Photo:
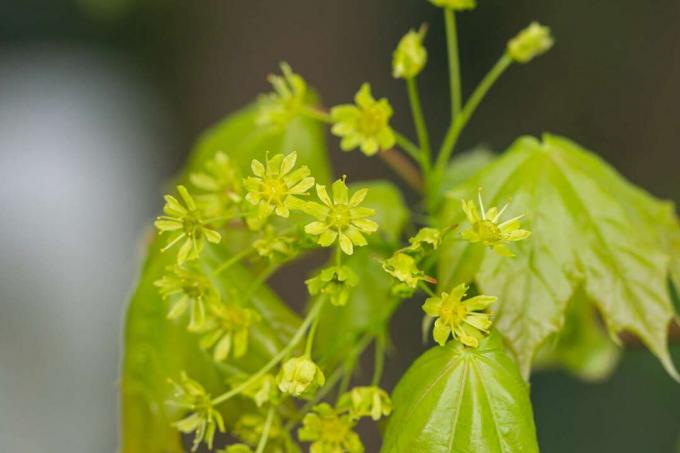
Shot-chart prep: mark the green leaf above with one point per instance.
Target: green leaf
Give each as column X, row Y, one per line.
column 590, row 228
column 582, row 346
column 243, row 140
column 371, row 303
column 462, row 400
column 156, row 348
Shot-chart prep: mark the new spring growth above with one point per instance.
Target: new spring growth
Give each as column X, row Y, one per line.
column 203, row 419
column 330, row 431
column 403, row 264
column 191, row 290
column 335, row 282
column 276, row 186
column 340, row 218
column 530, row 43
column 226, row 330
column 410, row 56
column 280, row 107
column 485, row 227
column 222, row 187
column 468, row 321
column 361, row 402
column 185, row 223
column 300, row 376
column 364, row 125
column 456, row 5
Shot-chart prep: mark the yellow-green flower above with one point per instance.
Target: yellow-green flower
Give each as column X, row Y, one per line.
column 300, row 376
column 263, row 390
column 280, row 107
column 274, row 246
column 203, row 419
column 191, row 290
column 340, row 218
column 410, row 56
column 456, row 5
column 227, row 330
column 486, row 229
column 335, row 282
column 426, row 240
column 530, row 43
column 404, row 268
column 361, row 402
column 222, row 185
column 276, row 186
column 185, row 223
column 364, row 125
column 329, row 431
column 468, row 321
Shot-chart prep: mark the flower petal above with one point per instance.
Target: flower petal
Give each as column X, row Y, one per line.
column 346, row 244
column 316, row 228
column 432, row 306
column 441, row 332
column 340, row 192
column 288, row 163
column 358, row 198
column 257, row 168
column 327, row 238
column 323, row 195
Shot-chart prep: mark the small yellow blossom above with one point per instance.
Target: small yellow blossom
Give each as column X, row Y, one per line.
column 456, row 5
column 300, row 376
column 530, row 43
column 192, row 290
column 404, row 268
column 263, row 390
column 335, row 282
column 276, row 186
column 227, row 329
column 274, row 246
column 222, row 185
column 329, row 431
column 426, row 240
column 486, row 229
column 410, row 56
column 203, row 419
column 280, row 107
column 364, row 125
column 467, row 320
column 185, row 223
column 366, row 401
column 340, row 218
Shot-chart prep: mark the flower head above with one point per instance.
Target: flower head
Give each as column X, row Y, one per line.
column 404, row 268
column 274, row 246
column 530, row 43
column 486, row 229
column 366, row 401
column 191, row 290
column 300, row 376
column 329, row 431
column 227, row 330
column 276, row 186
column 336, row 282
column 426, row 240
column 456, row 5
column 280, row 107
column 185, row 222
column 364, row 125
column 203, row 419
column 222, row 185
column 340, row 218
column 263, row 390
column 468, row 321
column 410, row 56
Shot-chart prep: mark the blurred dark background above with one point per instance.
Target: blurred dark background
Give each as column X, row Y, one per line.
column 100, row 101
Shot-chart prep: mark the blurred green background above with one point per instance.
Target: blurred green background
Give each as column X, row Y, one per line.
column 100, row 101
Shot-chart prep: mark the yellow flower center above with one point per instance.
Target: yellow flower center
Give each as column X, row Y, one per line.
column 274, row 188
column 488, row 232
column 334, row 430
column 192, row 227
column 452, row 313
column 371, row 121
column 339, row 217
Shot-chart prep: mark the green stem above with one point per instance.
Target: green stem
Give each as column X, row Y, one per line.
column 426, row 288
column 379, row 363
column 454, row 63
column 316, row 114
column 471, row 105
column 408, row 146
column 233, row 260
column 265, row 431
column 311, row 316
column 310, row 337
column 419, row 121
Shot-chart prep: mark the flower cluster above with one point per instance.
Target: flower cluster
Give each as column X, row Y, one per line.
column 203, row 419
column 403, row 265
column 227, row 329
column 335, row 282
column 364, row 125
column 330, row 431
column 361, row 402
column 221, row 186
column 290, row 94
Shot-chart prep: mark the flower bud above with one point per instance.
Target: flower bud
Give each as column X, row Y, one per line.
column 299, row 376
column 530, row 43
column 365, row 402
column 410, row 56
column 456, row 5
